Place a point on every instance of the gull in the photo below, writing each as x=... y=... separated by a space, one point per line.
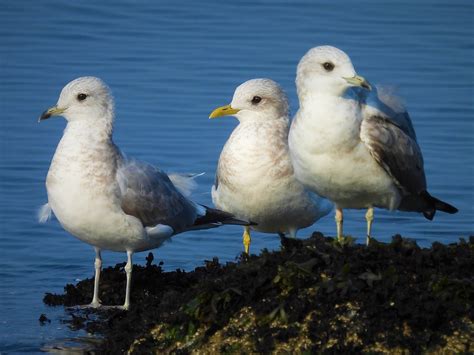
x=356 y=148
x=106 y=200
x=254 y=178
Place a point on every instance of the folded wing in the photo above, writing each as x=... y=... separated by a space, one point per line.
x=394 y=109
x=149 y=195
x=396 y=152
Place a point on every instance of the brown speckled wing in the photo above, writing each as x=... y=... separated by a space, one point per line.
x=397 y=153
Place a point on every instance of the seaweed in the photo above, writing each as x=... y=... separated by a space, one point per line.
x=314 y=295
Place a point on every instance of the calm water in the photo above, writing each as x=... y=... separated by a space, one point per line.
x=168 y=67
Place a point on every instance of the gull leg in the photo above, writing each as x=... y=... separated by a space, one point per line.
x=95 y=300
x=98 y=267
x=369 y=216
x=128 y=270
x=339 y=220
x=246 y=239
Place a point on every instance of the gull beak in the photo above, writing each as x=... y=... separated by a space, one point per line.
x=358 y=80
x=223 y=111
x=52 y=111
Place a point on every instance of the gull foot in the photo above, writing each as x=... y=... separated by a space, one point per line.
x=344 y=240
x=92 y=305
x=118 y=307
x=98 y=306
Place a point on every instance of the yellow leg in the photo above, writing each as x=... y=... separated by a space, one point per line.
x=369 y=216
x=339 y=221
x=246 y=239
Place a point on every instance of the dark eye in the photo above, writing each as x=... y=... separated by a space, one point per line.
x=328 y=66
x=81 y=97
x=256 y=100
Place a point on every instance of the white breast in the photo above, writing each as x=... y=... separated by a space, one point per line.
x=85 y=197
x=330 y=159
x=256 y=179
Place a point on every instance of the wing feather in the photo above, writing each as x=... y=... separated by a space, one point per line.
x=148 y=194
x=397 y=152
x=382 y=101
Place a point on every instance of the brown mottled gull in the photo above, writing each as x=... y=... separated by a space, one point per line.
x=255 y=179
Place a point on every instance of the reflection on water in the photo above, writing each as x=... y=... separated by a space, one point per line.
x=168 y=67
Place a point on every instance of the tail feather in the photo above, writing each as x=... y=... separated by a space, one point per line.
x=215 y=218
x=436 y=205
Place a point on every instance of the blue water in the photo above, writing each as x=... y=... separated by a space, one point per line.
x=168 y=67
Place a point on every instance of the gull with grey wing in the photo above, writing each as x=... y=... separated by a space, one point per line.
x=346 y=148
x=106 y=200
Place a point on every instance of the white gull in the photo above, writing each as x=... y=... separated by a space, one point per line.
x=106 y=200
x=345 y=148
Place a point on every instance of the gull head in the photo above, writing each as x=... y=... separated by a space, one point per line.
x=326 y=70
x=85 y=98
x=256 y=99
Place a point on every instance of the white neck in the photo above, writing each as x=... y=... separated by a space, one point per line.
x=318 y=97
x=327 y=120
x=90 y=132
x=86 y=151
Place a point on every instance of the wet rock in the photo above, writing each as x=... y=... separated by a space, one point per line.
x=315 y=295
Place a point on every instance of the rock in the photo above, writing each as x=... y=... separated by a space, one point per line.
x=314 y=295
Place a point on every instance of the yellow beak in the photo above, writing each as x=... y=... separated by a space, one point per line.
x=358 y=80
x=52 y=111
x=223 y=111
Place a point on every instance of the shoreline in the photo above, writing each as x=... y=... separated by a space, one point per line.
x=313 y=295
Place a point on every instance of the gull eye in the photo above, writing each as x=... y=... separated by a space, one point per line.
x=328 y=66
x=81 y=97
x=256 y=100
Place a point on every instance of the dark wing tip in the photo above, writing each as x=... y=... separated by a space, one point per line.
x=214 y=215
x=429 y=214
x=437 y=204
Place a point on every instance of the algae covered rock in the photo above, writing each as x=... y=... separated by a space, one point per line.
x=313 y=295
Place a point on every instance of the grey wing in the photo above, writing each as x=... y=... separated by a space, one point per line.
x=396 y=110
x=382 y=101
x=396 y=151
x=149 y=195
